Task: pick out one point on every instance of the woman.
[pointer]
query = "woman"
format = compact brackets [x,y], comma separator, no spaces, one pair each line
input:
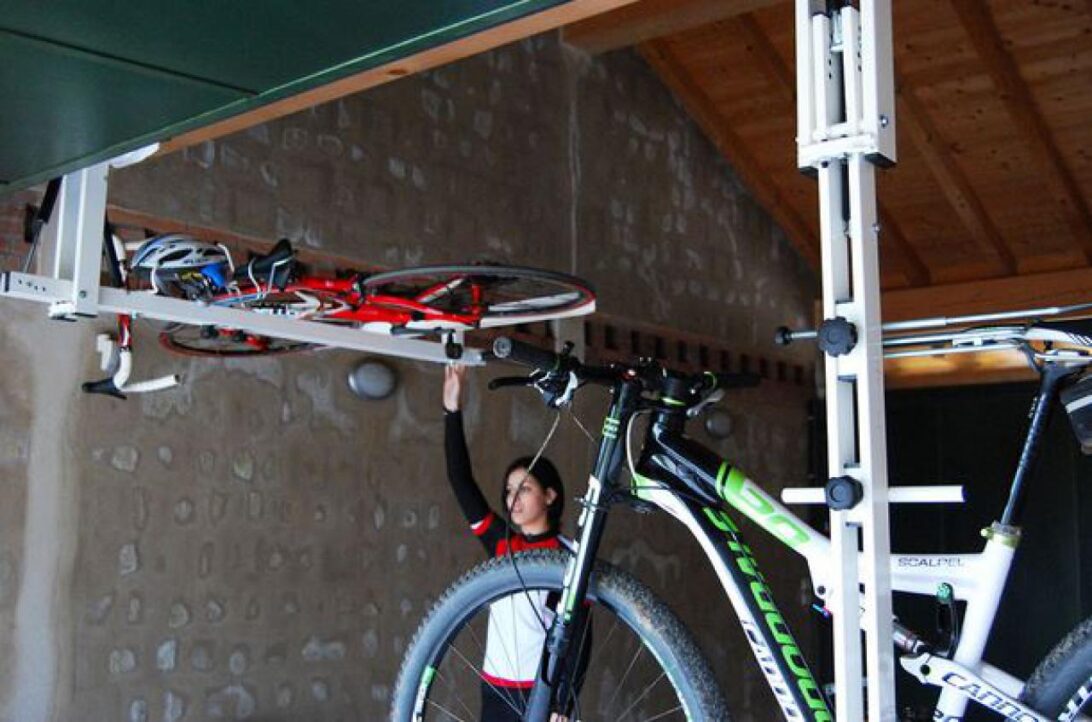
[533,498]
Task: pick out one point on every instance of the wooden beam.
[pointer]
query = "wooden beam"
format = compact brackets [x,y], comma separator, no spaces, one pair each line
[658,54]
[978,23]
[953,183]
[1013,293]
[651,19]
[964,369]
[550,19]
[784,83]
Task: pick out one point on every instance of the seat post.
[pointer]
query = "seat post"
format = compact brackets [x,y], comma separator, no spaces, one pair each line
[1052,375]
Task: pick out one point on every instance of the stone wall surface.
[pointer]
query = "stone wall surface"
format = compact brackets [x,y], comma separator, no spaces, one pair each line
[260,544]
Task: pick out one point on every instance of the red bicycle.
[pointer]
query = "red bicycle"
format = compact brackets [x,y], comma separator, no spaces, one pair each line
[423,301]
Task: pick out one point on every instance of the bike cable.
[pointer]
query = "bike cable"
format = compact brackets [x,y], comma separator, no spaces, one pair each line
[508,522]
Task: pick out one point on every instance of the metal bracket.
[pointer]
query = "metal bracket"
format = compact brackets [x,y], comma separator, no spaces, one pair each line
[74,241]
[845,83]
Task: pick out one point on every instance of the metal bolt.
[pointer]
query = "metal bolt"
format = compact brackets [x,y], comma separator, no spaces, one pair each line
[883,121]
[83,294]
[876,228]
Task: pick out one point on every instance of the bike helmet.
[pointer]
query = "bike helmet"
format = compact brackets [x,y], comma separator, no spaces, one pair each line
[175,252]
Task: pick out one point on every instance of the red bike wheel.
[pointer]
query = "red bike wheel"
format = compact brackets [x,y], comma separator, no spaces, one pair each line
[495,295]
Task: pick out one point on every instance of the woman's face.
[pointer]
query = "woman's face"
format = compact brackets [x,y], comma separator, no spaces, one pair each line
[527,501]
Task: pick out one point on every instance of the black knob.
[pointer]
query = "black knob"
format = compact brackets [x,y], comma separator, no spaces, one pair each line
[837,336]
[843,492]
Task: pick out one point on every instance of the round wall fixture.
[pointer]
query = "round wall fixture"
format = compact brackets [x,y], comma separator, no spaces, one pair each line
[718,423]
[372,380]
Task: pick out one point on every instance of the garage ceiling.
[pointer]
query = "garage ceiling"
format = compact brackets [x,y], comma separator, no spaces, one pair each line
[994,111]
[86,81]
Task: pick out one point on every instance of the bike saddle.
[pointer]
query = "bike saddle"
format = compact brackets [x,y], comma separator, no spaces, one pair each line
[279,261]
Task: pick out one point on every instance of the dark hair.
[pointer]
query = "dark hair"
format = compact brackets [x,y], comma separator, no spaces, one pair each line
[548,478]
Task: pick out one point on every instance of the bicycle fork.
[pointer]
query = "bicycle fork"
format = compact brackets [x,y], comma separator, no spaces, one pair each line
[558,673]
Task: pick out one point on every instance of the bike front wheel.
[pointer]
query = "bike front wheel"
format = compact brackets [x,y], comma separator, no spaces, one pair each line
[495,295]
[641,662]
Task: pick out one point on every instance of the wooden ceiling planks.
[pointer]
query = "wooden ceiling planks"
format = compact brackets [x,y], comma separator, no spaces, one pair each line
[995,146]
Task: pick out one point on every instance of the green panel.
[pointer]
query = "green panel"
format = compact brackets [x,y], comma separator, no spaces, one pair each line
[66,104]
[84,81]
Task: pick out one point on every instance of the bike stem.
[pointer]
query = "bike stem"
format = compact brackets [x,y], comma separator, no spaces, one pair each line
[555,680]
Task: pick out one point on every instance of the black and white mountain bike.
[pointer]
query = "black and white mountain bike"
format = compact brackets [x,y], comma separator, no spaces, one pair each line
[644,664]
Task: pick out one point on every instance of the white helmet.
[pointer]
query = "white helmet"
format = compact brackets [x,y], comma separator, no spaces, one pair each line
[174,252]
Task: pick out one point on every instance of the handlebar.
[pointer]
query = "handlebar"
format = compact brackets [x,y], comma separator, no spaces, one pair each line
[526,354]
[117,385]
[675,389]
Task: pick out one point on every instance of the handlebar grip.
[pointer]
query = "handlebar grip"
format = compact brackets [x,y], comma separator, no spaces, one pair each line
[106,387]
[737,381]
[526,354]
[506,381]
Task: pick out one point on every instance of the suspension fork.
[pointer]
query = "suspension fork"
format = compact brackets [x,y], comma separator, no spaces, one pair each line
[560,659]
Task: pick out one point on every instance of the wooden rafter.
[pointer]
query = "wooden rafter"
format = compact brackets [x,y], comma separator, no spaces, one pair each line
[650,19]
[953,183]
[1013,293]
[777,72]
[978,24]
[659,55]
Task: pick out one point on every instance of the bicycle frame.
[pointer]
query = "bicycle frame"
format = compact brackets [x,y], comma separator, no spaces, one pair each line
[352,306]
[697,487]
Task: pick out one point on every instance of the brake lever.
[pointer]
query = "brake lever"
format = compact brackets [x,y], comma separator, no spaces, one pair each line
[505,381]
[709,400]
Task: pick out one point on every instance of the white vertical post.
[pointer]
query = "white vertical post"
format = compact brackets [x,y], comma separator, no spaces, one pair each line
[872,513]
[844,74]
[841,448]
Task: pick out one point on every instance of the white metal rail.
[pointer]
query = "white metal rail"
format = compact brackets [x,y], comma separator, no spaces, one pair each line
[846,124]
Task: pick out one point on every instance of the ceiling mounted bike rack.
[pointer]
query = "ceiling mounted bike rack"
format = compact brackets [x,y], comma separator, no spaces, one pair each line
[72,250]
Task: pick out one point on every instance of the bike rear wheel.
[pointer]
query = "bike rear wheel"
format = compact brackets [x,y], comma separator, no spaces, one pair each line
[502,295]
[1061,686]
[642,663]
[215,341]
[230,342]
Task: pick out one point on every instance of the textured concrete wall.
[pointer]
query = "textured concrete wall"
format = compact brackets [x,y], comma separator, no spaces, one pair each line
[259,544]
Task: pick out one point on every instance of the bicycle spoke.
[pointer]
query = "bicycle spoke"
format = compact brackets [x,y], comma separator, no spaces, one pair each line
[478,673]
[640,649]
[603,645]
[448,712]
[458,698]
[641,696]
[504,647]
[673,710]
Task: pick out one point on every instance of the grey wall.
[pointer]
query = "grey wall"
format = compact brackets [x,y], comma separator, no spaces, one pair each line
[260,544]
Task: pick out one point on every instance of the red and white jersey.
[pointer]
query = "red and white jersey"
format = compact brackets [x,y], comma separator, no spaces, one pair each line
[517,623]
